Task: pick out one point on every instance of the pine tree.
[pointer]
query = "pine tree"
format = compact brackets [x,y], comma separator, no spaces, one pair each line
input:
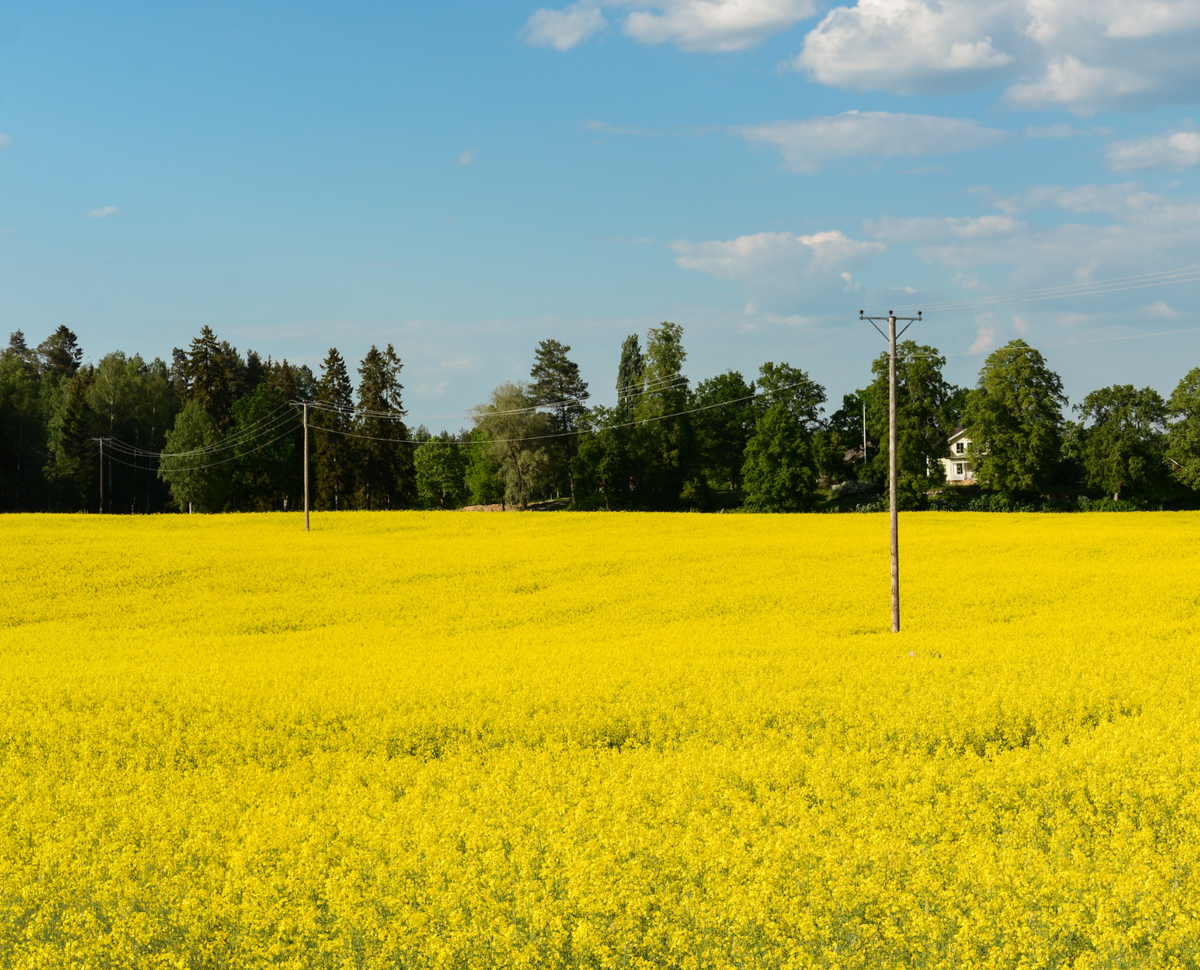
[334,452]
[60,354]
[558,388]
[385,478]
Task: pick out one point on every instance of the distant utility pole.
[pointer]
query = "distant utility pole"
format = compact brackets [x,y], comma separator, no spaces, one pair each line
[305,466]
[864,426]
[893,465]
[101,440]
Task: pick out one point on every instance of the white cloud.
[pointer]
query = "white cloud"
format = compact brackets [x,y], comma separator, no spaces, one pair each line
[1084,55]
[463,363]
[5,143]
[1069,83]
[1161,309]
[104,213]
[776,267]
[1062,131]
[563,29]
[1174,150]
[711,26]
[438,388]
[1020,323]
[1138,233]
[1121,198]
[466,158]
[714,25]
[779,256]
[985,336]
[806,144]
[908,46]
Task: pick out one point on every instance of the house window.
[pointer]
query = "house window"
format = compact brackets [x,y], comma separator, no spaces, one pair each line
[958,468]
[959,448]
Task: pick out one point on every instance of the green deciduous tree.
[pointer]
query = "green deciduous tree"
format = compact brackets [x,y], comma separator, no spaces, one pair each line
[630,374]
[441,470]
[265,451]
[780,469]
[1124,443]
[1014,420]
[923,424]
[670,475]
[1183,438]
[515,433]
[197,472]
[723,420]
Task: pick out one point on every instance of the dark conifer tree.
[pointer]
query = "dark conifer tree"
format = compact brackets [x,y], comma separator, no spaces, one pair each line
[335,463]
[60,354]
[385,479]
[206,378]
[558,388]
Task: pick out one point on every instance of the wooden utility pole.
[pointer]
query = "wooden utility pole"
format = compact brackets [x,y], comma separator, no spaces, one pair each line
[101,440]
[306,466]
[893,459]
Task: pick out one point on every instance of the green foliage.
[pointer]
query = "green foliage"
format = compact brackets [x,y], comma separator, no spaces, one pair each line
[60,354]
[485,483]
[1183,437]
[441,469]
[197,472]
[22,429]
[780,469]
[264,449]
[723,421]
[515,438]
[333,450]
[630,375]
[1124,447]
[73,459]
[1015,422]
[923,398]
[207,378]
[559,389]
[385,474]
[670,475]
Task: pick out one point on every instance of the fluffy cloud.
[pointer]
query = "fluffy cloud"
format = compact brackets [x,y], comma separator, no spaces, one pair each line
[694,25]
[5,142]
[807,144]
[715,25]
[1145,233]
[908,46]
[773,267]
[1175,150]
[1085,55]
[104,212]
[563,29]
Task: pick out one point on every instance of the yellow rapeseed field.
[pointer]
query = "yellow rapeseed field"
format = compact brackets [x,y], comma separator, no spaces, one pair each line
[533,740]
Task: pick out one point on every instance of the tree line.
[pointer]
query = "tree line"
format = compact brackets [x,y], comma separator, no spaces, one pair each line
[218,431]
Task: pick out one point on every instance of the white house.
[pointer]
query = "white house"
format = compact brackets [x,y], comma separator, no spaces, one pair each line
[959,469]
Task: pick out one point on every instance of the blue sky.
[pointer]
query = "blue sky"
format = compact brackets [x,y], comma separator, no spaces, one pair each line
[463,180]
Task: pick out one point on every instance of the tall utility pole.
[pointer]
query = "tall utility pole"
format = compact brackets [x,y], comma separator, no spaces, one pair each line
[893,461]
[306,466]
[101,440]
